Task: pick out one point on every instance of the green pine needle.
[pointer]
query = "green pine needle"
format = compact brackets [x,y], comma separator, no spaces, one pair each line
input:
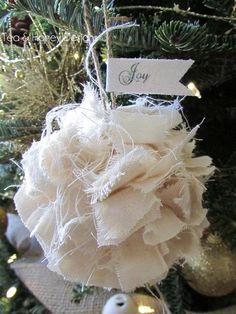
[67,14]
[16,129]
[79,292]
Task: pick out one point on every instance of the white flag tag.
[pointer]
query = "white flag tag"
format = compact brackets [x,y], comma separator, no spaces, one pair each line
[147,76]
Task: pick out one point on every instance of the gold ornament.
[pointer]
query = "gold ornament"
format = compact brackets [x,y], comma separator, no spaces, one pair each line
[213,273]
[76,56]
[19,74]
[3,96]
[3,222]
[3,68]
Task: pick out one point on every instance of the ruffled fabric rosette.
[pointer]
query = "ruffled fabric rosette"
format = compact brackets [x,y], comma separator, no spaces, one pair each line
[115,197]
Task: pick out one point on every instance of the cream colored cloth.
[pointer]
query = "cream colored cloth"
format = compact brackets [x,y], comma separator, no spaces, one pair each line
[115,198]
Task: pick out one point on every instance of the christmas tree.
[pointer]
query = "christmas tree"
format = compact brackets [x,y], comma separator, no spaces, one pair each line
[43,46]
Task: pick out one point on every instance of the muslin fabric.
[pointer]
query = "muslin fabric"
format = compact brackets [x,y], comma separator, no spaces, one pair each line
[115,197]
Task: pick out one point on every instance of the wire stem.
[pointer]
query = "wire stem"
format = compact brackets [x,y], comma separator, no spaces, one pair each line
[90,33]
[108,44]
[177,10]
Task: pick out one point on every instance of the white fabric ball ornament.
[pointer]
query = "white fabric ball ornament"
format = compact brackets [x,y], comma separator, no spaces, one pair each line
[115,197]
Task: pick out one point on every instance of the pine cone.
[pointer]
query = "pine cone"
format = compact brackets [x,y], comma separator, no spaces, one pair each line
[19,31]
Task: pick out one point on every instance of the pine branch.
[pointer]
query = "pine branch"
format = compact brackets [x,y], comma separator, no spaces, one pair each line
[212,70]
[5,278]
[177,10]
[23,302]
[58,12]
[67,14]
[9,179]
[173,289]
[9,148]
[11,129]
[4,20]
[221,202]
[80,292]
[135,39]
[226,7]
[177,36]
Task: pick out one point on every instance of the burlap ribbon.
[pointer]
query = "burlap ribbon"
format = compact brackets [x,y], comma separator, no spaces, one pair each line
[55,293]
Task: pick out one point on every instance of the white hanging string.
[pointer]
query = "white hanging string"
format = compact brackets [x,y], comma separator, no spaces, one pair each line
[93,44]
[90,32]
